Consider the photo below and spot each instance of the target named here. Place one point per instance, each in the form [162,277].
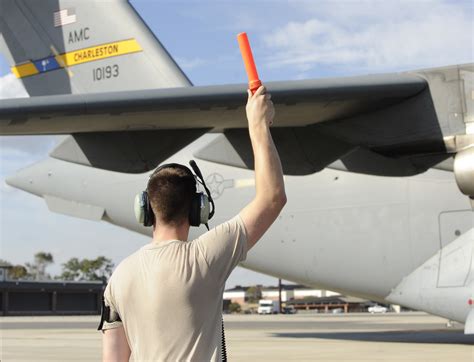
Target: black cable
[224,352]
[200,178]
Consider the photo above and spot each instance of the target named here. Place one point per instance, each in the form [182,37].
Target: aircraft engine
[464,171]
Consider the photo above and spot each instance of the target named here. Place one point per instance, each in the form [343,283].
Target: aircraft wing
[298,104]
[128,106]
[375,122]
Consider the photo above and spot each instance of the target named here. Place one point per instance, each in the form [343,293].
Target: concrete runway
[300,337]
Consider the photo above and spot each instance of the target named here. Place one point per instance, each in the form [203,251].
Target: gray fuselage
[358,234]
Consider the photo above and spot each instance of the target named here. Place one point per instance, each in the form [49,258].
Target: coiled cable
[224,352]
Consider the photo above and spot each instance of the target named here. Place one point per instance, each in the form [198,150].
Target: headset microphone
[195,168]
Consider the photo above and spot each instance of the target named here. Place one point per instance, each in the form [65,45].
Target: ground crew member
[164,302]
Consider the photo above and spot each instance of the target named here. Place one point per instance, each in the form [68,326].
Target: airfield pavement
[300,337]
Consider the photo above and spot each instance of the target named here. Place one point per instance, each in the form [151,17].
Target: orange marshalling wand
[254,82]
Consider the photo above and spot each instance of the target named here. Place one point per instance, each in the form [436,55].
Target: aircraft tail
[75,46]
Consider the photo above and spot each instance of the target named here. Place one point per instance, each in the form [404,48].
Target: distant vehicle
[337,311]
[290,309]
[266,306]
[377,309]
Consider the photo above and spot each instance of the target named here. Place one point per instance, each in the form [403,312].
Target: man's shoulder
[228,229]
[230,226]
[128,262]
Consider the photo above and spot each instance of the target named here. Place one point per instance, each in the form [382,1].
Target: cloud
[192,63]
[14,147]
[11,87]
[374,36]
[33,145]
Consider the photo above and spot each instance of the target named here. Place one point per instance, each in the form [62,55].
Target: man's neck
[165,232]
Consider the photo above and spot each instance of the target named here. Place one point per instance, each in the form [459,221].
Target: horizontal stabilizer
[74,208]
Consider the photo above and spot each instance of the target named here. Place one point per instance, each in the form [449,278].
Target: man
[167,296]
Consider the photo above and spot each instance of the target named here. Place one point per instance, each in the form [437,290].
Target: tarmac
[299,337]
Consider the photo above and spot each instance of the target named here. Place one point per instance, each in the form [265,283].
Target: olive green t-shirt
[169,294]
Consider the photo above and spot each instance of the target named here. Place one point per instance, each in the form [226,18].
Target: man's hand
[260,109]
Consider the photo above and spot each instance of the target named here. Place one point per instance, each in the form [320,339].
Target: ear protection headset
[200,211]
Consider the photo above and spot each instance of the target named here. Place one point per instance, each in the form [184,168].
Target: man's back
[173,312]
[169,294]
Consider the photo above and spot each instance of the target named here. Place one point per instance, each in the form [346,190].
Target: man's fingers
[261,90]
[249,94]
[268,96]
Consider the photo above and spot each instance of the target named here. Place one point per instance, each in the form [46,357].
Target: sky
[290,40]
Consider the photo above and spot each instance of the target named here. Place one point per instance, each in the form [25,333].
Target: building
[50,297]
[4,268]
[336,303]
[288,292]
[236,294]
[294,291]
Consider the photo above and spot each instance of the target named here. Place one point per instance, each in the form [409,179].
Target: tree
[17,272]
[3,262]
[37,269]
[234,308]
[99,268]
[253,294]
[71,270]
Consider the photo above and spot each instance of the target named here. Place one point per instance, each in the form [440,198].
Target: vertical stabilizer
[76,46]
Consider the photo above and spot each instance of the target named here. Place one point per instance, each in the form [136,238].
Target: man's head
[171,192]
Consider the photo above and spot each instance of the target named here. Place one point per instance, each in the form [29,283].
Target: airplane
[379,169]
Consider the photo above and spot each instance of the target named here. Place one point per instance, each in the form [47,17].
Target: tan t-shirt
[169,295]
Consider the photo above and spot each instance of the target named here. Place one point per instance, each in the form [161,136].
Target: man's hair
[171,191]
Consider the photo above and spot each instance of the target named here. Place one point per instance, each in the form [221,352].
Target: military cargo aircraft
[379,169]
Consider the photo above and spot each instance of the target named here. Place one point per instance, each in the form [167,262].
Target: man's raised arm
[270,196]
[115,345]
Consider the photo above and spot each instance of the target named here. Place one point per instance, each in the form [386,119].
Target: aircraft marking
[64,17]
[76,57]
[217,184]
[61,63]
[76,36]
[102,73]
[24,70]
[46,64]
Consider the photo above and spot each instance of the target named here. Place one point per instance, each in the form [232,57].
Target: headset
[202,206]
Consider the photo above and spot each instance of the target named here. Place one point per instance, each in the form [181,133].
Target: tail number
[107,72]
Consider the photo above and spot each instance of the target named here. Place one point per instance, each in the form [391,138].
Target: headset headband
[171,165]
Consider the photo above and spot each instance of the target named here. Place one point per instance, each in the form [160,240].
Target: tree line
[75,269]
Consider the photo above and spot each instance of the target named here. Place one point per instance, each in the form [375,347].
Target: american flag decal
[64,17]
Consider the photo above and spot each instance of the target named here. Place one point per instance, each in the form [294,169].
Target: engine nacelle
[464,171]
